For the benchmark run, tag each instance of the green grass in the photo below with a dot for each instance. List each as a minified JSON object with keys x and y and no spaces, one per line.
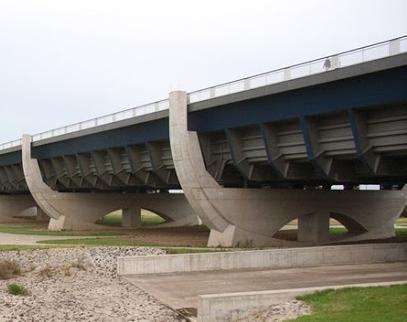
{"x":130,"y":242}
{"x":337,"y":230}
{"x":42,"y":231}
{"x":400,"y":231}
{"x":191,"y":250}
{"x":373,"y":304}
{"x":108,"y":241}
{"x":147,"y":219}
{"x":113,"y":220}
{"x":102,"y":241}
{"x":9,"y":248}
{"x":16,"y":289}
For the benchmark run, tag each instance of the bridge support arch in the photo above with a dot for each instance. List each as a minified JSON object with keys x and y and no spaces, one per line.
{"x":240,"y":216}
{"x":80,"y":211}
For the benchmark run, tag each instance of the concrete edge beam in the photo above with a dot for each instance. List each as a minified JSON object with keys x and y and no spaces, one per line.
{"x":217,"y":307}
{"x":272,"y":259}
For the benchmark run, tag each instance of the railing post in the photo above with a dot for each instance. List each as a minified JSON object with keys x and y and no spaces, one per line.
{"x":212,"y":92}
{"x":335,"y":62}
{"x":394,"y":47}
{"x":287,"y":74}
{"x":246,"y":84}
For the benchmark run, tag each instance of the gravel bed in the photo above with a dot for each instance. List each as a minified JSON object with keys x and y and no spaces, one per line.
{"x":78,"y":284}
{"x":274,"y":313}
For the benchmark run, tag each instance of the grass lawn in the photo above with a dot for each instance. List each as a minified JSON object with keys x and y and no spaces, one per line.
{"x":122,"y":241}
{"x":373,"y":304}
{"x":114,"y":220}
{"x":42,"y":230}
{"x":99,"y":241}
{"x":147,"y":219}
{"x":400,"y":231}
{"x":109,"y":242}
{"x":169,"y":250}
{"x":5,"y":248}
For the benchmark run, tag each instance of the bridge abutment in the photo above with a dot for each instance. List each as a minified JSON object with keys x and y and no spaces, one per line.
{"x":253,"y":217}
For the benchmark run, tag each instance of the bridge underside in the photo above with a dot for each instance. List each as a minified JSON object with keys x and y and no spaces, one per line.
{"x":349,"y":148}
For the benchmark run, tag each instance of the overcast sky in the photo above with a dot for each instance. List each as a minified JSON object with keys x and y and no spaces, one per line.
{"x":64,"y":61}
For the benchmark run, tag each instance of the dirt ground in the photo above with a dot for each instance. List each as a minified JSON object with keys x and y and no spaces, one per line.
{"x":196,"y":236}
{"x":182,"y":236}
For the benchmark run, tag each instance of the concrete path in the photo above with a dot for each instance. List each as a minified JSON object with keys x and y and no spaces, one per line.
{"x":180,"y":290}
{"x":19,"y":239}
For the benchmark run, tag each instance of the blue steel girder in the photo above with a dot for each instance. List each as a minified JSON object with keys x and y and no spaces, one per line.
{"x":332,"y":132}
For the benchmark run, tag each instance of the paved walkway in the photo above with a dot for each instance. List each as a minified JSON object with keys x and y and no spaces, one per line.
{"x":180,"y":290}
{"x":19,"y":239}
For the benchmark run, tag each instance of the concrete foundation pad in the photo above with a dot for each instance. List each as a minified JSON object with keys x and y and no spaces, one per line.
{"x":182,"y":290}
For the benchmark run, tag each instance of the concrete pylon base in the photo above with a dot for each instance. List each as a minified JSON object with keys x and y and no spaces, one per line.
{"x":80,"y":211}
{"x":314,"y":228}
{"x":131,"y":218}
{"x":41,"y":215}
{"x":234,"y":236}
{"x":252,"y":217}
{"x":257,"y":215}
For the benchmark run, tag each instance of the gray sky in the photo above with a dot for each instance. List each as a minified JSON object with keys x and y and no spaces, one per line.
{"x":64,"y":61}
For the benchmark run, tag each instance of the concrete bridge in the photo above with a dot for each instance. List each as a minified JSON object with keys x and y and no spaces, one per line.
{"x":250,"y":155}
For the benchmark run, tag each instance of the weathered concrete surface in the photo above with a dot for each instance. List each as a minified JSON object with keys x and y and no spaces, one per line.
{"x":264,"y":259}
{"x":239,"y":216}
{"x":219,"y":307}
{"x":80,"y":211}
{"x":181,"y":290}
{"x":16,"y":205}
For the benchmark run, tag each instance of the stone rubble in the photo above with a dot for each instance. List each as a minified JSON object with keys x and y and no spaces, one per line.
{"x":78,"y":284}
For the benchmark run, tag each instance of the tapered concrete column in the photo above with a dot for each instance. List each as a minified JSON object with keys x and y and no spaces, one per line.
{"x":251,"y":217}
{"x":314,"y":228}
{"x":131,"y":218}
{"x":80,"y":211}
{"x":15,"y":205}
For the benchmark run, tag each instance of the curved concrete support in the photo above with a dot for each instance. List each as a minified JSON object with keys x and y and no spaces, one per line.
{"x":239,"y":216}
{"x":80,"y":211}
{"x":16,"y":205}
{"x":190,"y":166}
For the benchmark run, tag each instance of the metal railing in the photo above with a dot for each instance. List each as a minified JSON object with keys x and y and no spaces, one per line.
{"x":321,"y":65}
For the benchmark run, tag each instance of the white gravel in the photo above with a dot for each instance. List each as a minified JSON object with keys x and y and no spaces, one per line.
{"x":274,"y":313}
{"x":78,"y":284}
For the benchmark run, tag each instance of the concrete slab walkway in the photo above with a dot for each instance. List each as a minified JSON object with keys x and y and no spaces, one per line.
{"x":180,"y":290}
{"x":20,"y":239}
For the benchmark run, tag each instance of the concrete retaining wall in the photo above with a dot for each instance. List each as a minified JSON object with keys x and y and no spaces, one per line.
{"x":233,"y":306}
{"x":274,"y":258}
